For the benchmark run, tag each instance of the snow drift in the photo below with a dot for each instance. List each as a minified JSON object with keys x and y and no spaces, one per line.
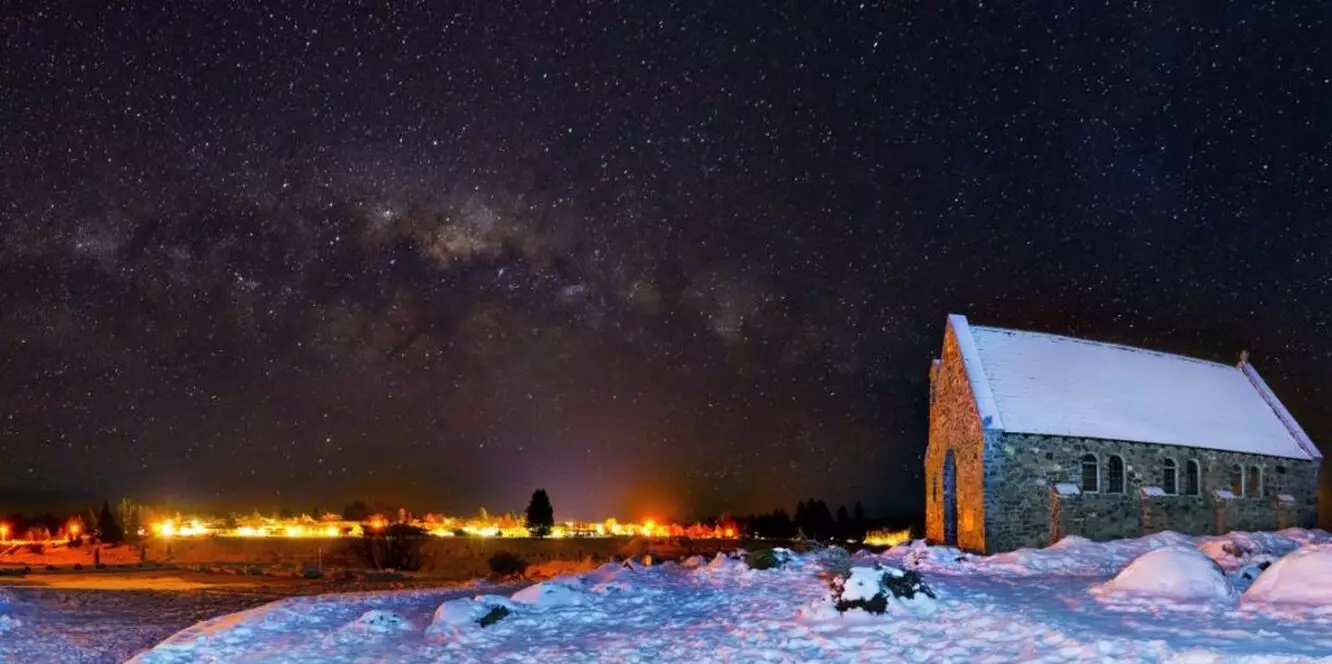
{"x":1175,"y":572}
{"x":1302,"y":577}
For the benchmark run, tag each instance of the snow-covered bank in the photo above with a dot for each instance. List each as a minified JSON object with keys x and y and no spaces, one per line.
{"x":1028,"y":606}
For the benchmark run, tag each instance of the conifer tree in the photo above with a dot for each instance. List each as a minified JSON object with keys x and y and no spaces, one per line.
{"x":540,"y":514}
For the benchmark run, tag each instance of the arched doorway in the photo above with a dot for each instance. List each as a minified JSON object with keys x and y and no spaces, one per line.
{"x":950,"y":499}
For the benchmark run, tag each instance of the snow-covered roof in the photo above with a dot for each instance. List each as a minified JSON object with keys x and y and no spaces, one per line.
{"x":1031,"y":382}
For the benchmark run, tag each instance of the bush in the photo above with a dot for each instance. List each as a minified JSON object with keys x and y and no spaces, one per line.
{"x":869,"y":588}
{"x":768,"y":559}
{"x":398,"y":547}
{"x":907,"y":585}
{"x":78,"y":566}
{"x":505,"y":564}
{"x":36,"y":547}
{"x":493,"y":616}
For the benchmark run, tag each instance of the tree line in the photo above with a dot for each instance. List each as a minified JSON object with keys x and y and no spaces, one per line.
{"x":812,"y":520}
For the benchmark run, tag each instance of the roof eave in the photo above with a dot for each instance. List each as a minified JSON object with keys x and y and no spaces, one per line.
{"x":980,"y":383}
{"x":1293,"y":426}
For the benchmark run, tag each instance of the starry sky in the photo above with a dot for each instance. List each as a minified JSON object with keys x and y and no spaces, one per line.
{"x":654,"y":256}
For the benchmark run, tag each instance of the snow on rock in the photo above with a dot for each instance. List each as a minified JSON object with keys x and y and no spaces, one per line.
{"x":694,"y":562}
{"x":559,"y":591}
{"x":1175,"y":572}
{"x":466,"y":612}
{"x":378,"y":621}
{"x":1301,"y":577}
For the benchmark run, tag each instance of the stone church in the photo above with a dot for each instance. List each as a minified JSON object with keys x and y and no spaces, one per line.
{"x":1035,"y":436}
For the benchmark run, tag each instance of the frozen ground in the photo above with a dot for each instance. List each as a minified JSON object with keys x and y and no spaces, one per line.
{"x":1053,"y":605}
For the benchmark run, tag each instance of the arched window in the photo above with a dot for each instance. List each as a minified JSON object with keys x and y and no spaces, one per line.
{"x":1091,"y":474}
{"x":1253,"y":486}
{"x":1114,"y":475}
{"x":1170,"y":477}
{"x":1192,"y":478}
{"x":1237,"y":480}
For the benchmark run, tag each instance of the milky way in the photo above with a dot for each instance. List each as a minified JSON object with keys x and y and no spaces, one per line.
{"x":666,"y":257}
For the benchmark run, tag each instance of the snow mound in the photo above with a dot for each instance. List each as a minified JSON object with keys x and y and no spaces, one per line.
{"x":1174,"y":572}
{"x":466,"y":612}
{"x":553,"y":593}
{"x":694,"y":562}
{"x":1302,"y":577}
{"x":378,"y":621}
{"x":1069,"y":542}
{"x":7,"y":623}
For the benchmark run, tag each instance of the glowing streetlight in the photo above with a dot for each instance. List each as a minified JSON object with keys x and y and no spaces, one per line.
{"x":4,"y":532}
{"x":73,"y":530}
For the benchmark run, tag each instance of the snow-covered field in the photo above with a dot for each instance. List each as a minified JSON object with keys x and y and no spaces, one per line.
{"x":1184,"y":602}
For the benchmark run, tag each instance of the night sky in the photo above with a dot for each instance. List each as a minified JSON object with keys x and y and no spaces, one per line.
{"x":667,"y":257}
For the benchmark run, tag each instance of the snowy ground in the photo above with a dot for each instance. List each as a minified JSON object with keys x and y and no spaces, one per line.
{"x":108,"y":617}
{"x":1053,"y":605}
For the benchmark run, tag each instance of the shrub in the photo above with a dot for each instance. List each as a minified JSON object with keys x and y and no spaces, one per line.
{"x":870,"y":588}
{"x":398,"y":547}
{"x":505,"y":564}
{"x":907,"y":585}
{"x":766,"y":559}
{"x":78,"y":566}
{"x":493,"y":616}
{"x":36,"y":547}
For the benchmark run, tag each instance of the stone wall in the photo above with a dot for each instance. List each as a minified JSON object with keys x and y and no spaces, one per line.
{"x":955,"y":425}
{"x":1021,"y":505}
{"x":1196,"y":515}
{"x":1112,"y":516}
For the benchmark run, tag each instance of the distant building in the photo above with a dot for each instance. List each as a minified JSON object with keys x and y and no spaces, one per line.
{"x":1035,"y":436}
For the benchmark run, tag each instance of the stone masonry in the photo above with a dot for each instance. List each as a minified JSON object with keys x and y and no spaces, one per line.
{"x":955,"y":426}
{"x":1024,"y":509}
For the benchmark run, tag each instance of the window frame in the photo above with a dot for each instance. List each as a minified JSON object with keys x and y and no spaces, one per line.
{"x":1170,"y":468}
{"x":1109,"y":476}
{"x":1197,"y":477}
{"x":1230,"y":484}
{"x":1082,"y":473}
{"x":1254,"y":474}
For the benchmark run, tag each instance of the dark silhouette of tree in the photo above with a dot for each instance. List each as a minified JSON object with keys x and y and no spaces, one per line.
{"x":858,"y":520}
{"x":108,"y":529}
{"x":356,"y":510}
{"x":820,"y":519}
{"x":540,"y":514}
{"x":844,"y":527}
{"x":802,"y":520}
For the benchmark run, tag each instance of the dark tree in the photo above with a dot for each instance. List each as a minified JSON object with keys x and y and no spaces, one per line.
{"x":540,"y":514}
{"x":802,"y":520}
{"x":108,"y":529}
{"x":356,"y":511}
{"x":398,"y":547}
{"x":858,"y":521}
{"x":844,"y":527}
